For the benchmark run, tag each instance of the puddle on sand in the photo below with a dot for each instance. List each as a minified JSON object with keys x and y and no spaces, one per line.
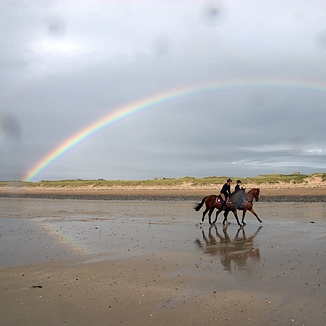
{"x":40,"y":230}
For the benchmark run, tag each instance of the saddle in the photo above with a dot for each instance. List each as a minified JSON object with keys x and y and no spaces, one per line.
{"x":219,"y":200}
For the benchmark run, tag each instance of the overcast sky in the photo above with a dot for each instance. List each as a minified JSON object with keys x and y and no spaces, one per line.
{"x":67,"y":64}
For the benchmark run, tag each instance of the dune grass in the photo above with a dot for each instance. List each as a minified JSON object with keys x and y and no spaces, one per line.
{"x":166,"y":182}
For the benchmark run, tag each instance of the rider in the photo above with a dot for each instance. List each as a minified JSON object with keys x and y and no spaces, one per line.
{"x":241,"y":198}
{"x":237,"y":187}
{"x":225,"y":192}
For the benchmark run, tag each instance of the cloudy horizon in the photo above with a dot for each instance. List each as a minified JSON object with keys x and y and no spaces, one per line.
{"x":67,"y":64}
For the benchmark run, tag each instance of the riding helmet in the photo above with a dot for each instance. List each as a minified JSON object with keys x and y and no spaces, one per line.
{"x":229,"y":180}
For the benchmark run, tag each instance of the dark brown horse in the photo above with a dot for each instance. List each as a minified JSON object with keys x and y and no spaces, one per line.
{"x":239,"y":200}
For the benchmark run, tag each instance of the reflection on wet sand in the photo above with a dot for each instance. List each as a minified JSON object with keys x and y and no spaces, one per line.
{"x":236,"y":250}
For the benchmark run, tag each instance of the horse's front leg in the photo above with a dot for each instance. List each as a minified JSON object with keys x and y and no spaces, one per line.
{"x":253,"y":212}
{"x":243,"y":216}
{"x":225,"y":216}
{"x":236,"y":216}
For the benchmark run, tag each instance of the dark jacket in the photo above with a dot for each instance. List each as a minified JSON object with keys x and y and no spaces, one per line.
{"x":237,"y":188}
{"x":226,"y":190}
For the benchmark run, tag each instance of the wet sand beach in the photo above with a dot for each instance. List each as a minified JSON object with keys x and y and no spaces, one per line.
{"x":78,"y":261}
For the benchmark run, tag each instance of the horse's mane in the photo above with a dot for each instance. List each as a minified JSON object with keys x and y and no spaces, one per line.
{"x":254,"y":189}
{"x":240,"y":193}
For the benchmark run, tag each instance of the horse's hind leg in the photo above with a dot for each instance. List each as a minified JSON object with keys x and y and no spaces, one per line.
{"x":218,"y":212}
{"x":210,"y":214}
{"x":204,"y":213}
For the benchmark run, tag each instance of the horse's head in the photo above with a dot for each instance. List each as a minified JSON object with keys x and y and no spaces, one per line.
{"x":254,"y":193}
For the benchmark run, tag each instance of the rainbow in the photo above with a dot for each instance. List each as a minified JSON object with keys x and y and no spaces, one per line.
{"x":63,"y":236}
{"x":155,"y":100}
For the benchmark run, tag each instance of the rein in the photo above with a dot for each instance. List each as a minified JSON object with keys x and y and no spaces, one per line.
{"x":252,"y":200}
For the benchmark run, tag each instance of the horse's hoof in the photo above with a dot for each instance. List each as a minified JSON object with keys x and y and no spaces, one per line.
{"x":201,"y":223}
{"x":243,"y":224}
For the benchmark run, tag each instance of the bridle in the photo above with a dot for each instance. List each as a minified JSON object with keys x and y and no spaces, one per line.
{"x":256,"y":196}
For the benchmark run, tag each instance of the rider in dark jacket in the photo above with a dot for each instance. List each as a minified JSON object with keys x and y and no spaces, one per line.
{"x":225,"y":192}
{"x":241,"y":197}
{"x":237,"y":187}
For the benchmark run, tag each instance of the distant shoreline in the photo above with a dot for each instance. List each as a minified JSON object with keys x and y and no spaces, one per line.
{"x":290,"y":194}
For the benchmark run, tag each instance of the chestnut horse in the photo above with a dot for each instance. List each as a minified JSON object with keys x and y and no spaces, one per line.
{"x":232,"y":205}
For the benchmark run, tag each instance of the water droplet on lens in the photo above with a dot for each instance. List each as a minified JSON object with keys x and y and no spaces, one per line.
{"x":213,"y":13}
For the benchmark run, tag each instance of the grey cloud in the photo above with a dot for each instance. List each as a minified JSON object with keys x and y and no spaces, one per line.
{"x":64,"y":67}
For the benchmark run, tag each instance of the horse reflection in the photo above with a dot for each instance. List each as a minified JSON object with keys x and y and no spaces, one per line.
{"x":237,"y":250}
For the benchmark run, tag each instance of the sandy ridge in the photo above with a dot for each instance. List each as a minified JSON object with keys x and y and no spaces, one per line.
{"x":312,"y":188}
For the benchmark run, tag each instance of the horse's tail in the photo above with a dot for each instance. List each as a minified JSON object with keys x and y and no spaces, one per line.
{"x":199,"y":205}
